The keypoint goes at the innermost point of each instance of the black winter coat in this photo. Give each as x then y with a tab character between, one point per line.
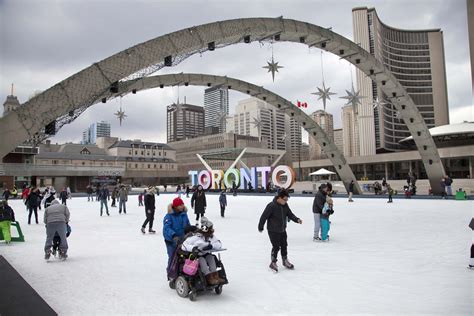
276	216
149	202
318	202
33	200
6	213
198	202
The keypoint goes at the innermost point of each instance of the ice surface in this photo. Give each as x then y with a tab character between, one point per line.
409	257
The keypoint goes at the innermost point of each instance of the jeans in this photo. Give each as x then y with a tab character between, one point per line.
122	202
102	203
51	229
279	241
317	224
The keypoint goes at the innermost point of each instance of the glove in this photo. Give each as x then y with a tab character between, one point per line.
208	247
176	239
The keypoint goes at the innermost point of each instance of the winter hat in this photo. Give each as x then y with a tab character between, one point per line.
206	224
52	190
177	202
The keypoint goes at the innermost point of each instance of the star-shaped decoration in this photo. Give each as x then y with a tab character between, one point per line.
283	137
324	94
120	115
273	67
353	98
257	122
398	115
379	103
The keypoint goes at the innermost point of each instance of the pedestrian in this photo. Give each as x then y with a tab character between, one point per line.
448	181
140	198
32	202
103	195
69	194
234	188
63	196
149	210
390	193
7	216
56	217
114	197
198	203
325	222
174	224
223	202
89	192
276	215
471	262
6	194
123	198
351	190
318	204
187	191
443	188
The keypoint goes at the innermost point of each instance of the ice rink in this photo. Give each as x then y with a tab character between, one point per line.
409	257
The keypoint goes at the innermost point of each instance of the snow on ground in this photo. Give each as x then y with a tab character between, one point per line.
409	257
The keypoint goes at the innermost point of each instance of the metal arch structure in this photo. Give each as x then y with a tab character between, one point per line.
183	79
67	99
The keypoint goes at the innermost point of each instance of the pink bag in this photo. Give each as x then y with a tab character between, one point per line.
190	266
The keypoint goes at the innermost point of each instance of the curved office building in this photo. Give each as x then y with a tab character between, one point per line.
416	59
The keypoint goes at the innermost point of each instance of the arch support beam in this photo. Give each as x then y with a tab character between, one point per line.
83	89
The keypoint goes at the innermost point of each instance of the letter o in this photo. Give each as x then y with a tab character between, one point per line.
278	172
204	179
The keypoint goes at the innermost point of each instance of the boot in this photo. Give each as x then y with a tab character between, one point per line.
143	230
211	280
287	263
274	266
218	278
47	254
151	231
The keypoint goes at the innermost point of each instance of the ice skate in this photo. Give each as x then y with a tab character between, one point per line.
151	231
287	264
274	266
316	239
62	255
47	255
143	230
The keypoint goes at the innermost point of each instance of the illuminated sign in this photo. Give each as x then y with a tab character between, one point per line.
281	176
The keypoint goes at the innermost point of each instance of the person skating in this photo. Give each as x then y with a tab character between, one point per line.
390	193
198	203
149	210
114	197
63	196
203	241
318	204
56	217
276	215
89	192
187	191
351	190
234	188
123	198
7	216
174	224
325	222
140	198
6	194
103	197
471	262
222	202
49	196
33	201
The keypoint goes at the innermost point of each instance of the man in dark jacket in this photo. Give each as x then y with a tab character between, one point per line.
33	201
351	190
149	210
318	204
276	214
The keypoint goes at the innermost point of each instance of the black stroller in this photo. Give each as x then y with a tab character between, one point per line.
189	285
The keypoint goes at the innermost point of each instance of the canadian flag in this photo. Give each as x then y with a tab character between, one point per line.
302	104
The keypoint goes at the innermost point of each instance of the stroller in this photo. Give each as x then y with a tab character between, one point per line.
57	240
189	285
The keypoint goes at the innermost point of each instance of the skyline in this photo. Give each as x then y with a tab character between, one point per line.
59	53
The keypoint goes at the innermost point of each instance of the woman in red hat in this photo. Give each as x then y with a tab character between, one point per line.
174	225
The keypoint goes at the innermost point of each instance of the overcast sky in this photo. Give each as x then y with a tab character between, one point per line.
43	42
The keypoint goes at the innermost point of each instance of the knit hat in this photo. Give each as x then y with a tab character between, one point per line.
177	202
206	224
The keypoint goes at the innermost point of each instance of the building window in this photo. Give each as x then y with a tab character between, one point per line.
83	163
165	153
136	165
148	166
161	167
136	152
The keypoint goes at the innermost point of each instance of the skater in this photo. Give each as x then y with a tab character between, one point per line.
14	192
448	182
174	225
471	262
223	202
234	188
63	196
198	203
390	193
351	190
114	197
7	216
69	194
49	196
276	214
6	194
25	192
140	198
187	191
384	183
325	213
318	204
57	240
123	198
149	210
202	241
89	192
103	196
178	189
33	202
56	217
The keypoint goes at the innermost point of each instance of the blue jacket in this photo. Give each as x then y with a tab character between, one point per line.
174	224
223	199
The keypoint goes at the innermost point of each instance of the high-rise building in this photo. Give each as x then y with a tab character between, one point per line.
349	132
184	121
216	107
339	139
254	117
416	59
326	122
98	129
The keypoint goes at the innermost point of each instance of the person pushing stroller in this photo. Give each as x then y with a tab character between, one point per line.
203	241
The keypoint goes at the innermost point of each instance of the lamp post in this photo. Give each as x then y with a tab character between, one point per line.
299	161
